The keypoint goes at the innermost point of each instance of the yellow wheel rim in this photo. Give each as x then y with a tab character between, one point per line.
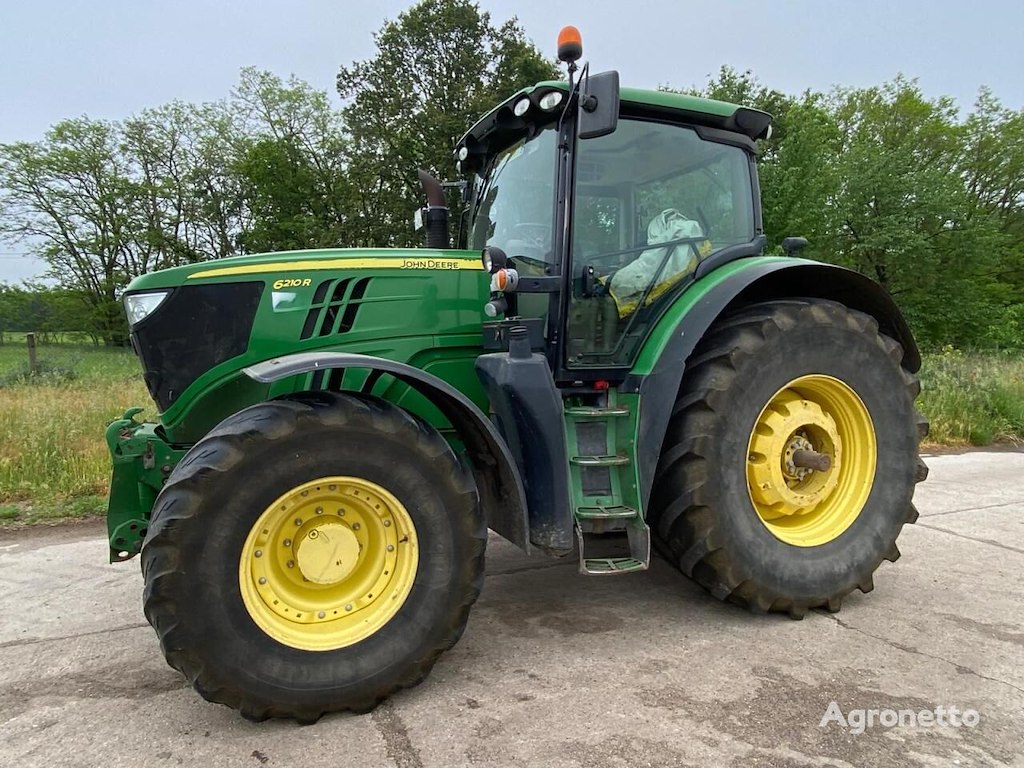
328	564
819	416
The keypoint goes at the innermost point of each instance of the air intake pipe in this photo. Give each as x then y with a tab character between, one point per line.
435	215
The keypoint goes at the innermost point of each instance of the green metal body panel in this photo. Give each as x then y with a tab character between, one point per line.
422	307
624	431
653	347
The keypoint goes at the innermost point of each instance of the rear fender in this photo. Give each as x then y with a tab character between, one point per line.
662	362
497	479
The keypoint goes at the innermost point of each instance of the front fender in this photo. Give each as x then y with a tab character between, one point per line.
497	479
662	362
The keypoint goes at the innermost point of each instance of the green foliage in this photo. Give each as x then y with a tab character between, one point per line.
44	310
291	166
44	373
438	67
896	185
973	398
48	510
886	180
51	449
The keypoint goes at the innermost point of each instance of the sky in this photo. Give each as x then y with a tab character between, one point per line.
111	59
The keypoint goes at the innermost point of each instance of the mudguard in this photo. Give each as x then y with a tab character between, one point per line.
497	479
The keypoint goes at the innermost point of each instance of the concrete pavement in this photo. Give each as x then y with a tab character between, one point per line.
557	669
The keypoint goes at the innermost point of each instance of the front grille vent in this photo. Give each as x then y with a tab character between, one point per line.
335	306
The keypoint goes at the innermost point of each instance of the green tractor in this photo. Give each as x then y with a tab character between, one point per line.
621	367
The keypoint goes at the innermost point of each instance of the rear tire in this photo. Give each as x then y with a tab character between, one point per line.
807	543
209	532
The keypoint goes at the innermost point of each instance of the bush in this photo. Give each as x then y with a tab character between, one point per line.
44	373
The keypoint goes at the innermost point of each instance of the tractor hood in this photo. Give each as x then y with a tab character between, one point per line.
199	325
301	265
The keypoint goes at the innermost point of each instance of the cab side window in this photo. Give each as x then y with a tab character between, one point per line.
652	201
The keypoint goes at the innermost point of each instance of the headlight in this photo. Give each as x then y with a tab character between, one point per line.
521	107
550	100
139	306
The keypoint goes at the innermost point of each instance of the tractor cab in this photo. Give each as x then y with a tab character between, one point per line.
594	221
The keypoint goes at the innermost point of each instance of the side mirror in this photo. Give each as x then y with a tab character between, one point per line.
599	105
792	245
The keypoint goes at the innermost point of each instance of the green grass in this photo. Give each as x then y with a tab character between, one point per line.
53	459
973	398
48	510
54	462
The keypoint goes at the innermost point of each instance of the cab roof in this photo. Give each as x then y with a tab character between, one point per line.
752	123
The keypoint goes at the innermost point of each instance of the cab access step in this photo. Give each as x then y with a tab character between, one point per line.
602	484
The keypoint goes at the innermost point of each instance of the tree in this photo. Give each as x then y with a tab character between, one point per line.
188	205
44	310
438	67
291	166
70	197
901	212
796	165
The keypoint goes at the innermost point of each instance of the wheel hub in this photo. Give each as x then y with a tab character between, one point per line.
328	553
789	467
811	460
789	424
328	563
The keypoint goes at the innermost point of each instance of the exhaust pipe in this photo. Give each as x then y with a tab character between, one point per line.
435	215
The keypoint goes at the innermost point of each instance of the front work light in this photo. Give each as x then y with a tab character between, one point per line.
550	100
521	107
493	258
139	306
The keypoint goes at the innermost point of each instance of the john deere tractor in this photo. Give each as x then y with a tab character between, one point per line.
608	361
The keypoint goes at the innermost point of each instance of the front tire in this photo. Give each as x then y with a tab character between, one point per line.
313	555
731	509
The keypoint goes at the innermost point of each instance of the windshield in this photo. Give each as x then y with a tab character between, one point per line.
514	201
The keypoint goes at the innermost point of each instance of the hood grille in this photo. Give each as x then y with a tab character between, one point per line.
335	306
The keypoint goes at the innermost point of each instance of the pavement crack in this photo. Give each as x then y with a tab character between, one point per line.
397	743
38	640
930	515
971	538
917	652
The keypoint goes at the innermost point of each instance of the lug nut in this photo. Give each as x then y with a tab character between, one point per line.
259	553
355	526
291	563
287	542
321	614
263	579
348	606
